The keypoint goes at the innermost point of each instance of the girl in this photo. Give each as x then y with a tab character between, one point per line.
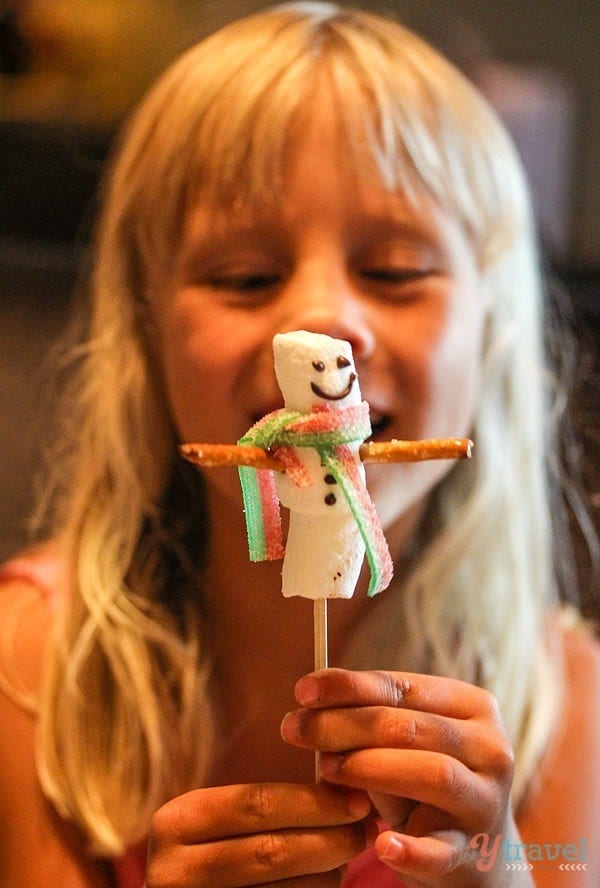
319	169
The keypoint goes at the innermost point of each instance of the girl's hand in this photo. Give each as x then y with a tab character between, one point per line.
257	834
434	757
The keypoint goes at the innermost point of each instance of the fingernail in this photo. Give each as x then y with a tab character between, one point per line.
392	851
308	691
289	726
359	804
331	763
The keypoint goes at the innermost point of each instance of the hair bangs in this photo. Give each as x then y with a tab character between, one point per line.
257	126
406	118
221	127
428	131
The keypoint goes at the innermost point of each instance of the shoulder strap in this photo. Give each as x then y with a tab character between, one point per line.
41	570
40	567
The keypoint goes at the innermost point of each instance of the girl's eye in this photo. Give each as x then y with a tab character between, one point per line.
395	283
395	275
242	286
245	282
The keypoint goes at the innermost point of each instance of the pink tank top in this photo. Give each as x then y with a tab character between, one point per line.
42	567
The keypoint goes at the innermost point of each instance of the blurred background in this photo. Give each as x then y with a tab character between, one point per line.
70	70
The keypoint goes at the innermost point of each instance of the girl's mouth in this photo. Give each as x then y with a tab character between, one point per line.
379	424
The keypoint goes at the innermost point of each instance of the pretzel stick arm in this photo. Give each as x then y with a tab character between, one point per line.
385	452
230	455
416	451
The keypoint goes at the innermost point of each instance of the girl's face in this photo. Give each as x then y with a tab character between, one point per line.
336	257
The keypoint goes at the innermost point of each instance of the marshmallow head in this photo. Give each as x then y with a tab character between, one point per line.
313	369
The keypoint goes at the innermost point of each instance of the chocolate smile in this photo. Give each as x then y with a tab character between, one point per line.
339	397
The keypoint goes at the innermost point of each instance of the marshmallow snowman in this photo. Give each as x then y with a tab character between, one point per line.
324	549
317	435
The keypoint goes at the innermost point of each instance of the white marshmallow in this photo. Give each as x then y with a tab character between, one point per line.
324	548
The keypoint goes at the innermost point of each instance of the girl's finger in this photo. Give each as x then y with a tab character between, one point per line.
206	815
363	727
258	859
432	779
332	688
425	859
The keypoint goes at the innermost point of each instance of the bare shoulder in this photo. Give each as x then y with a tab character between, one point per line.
582	648
581	706
581	698
36	846
564	804
579	717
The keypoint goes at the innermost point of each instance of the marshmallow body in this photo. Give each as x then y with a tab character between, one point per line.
324	548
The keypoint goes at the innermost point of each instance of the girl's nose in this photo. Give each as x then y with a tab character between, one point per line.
334	309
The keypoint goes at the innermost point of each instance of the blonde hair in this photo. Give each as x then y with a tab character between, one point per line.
126	698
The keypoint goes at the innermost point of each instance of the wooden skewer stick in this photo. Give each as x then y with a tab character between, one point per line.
211	455
321	654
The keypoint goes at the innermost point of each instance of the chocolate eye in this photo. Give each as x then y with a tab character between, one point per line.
319	366
342	362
